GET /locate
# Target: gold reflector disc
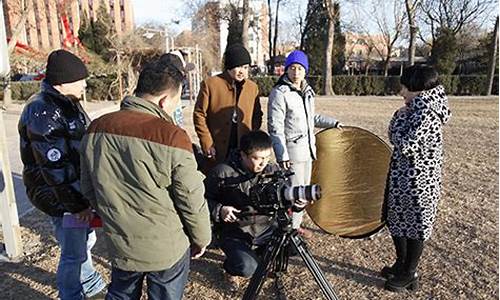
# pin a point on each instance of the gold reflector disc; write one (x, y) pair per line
(351, 167)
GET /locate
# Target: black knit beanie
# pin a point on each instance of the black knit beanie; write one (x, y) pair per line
(236, 55)
(64, 67)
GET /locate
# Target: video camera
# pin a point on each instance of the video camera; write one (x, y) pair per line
(273, 193)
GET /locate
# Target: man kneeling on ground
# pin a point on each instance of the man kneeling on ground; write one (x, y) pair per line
(227, 191)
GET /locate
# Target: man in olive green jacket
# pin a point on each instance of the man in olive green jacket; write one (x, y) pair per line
(139, 173)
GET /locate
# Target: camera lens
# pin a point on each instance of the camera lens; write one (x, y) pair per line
(307, 192)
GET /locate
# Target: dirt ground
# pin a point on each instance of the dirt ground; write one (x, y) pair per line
(459, 262)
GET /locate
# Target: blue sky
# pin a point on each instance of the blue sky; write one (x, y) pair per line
(161, 11)
(167, 11)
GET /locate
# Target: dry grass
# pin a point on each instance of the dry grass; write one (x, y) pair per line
(459, 262)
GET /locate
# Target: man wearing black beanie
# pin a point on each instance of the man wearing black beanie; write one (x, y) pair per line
(50, 128)
(227, 107)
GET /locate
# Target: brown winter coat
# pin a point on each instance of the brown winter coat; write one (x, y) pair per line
(214, 109)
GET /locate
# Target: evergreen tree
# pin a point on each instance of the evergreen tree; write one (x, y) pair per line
(444, 52)
(85, 33)
(235, 26)
(96, 35)
(316, 37)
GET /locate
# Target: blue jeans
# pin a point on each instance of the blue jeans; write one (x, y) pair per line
(162, 285)
(241, 255)
(76, 277)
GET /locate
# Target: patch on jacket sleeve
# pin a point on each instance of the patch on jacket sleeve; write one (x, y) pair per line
(54, 154)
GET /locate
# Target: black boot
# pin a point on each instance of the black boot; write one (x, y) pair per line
(400, 246)
(408, 278)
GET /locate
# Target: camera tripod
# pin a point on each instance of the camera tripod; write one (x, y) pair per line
(276, 256)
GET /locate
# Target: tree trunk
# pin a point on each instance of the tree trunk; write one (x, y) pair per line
(276, 20)
(327, 71)
(246, 23)
(491, 73)
(270, 38)
(386, 65)
(410, 11)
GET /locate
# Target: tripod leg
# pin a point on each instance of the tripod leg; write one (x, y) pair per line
(313, 267)
(260, 274)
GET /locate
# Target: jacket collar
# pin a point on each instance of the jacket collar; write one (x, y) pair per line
(144, 106)
(230, 82)
(284, 80)
(48, 89)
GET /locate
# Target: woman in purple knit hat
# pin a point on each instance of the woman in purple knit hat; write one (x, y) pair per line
(291, 121)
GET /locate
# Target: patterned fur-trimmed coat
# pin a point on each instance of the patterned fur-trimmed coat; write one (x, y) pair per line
(415, 171)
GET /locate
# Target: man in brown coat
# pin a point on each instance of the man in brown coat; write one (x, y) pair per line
(227, 107)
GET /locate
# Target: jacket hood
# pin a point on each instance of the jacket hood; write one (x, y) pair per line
(234, 160)
(434, 99)
(141, 105)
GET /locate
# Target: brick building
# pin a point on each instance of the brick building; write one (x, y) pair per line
(49, 23)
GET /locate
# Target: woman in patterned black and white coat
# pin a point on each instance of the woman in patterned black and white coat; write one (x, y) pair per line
(414, 184)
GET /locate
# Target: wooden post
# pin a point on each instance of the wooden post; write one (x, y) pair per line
(491, 71)
(8, 207)
(119, 62)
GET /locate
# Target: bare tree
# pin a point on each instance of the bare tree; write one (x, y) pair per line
(328, 68)
(270, 31)
(276, 23)
(246, 23)
(303, 22)
(411, 10)
(491, 71)
(206, 17)
(453, 15)
(273, 30)
(389, 18)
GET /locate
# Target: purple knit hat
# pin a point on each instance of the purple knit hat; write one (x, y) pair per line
(297, 57)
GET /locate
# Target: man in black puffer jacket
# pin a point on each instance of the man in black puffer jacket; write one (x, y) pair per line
(51, 127)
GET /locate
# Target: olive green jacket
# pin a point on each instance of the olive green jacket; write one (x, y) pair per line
(139, 173)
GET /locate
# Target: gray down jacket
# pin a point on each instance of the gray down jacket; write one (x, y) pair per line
(291, 120)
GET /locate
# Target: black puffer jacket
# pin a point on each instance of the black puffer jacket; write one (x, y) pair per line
(228, 184)
(51, 127)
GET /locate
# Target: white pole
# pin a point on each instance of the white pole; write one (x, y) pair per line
(8, 207)
(4, 60)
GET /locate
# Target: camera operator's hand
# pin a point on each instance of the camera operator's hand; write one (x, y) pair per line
(227, 214)
(300, 203)
(85, 215)
(286, 164)
(197, 251)
(211, 152)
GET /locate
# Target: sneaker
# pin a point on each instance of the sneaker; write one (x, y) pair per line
(305, 233)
